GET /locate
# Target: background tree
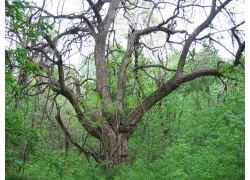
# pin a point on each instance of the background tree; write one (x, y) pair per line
(99, 88)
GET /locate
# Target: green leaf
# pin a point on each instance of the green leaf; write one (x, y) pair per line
(129, 60)
(55, 31)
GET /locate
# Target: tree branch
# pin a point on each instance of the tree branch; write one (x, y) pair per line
(66, 132)
(167, 88)
(196, 32)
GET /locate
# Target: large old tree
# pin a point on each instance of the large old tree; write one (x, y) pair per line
(93, 33)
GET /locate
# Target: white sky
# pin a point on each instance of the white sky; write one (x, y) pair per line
(77, 5)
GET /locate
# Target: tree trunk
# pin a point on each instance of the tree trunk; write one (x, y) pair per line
(111, 133)
(116, 150)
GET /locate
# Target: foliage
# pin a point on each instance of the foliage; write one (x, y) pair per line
(18, 135)
(21, 137)
(207, 143)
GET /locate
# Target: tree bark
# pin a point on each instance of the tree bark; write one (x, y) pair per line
(116, 149)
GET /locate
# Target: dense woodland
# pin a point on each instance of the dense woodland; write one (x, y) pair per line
(119, 90)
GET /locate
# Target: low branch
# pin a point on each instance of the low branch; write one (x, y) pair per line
(66, 132)
(167, 88)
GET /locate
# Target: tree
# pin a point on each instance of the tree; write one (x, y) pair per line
(99, 103)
